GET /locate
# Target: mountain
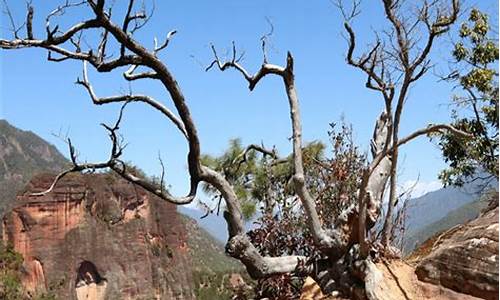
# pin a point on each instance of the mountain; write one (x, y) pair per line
(213, 224)
(435, 205)
(440, 210)
(464, 258)
(97, 234)
(23, 154)
(461, 215)
(212, 268)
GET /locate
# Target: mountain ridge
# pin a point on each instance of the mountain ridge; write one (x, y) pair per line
(24, 155)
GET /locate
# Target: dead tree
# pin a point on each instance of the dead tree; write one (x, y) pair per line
(345, 251)
(396, 61)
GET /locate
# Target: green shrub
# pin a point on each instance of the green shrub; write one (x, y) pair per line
(10, 271)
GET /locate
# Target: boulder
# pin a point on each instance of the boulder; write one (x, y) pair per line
(465, 258)
(391, 279)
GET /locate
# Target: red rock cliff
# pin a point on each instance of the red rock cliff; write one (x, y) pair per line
(98, 237)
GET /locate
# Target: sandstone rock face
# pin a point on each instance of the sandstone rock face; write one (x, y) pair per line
(98, 237)
(22, 154)
(465, 258)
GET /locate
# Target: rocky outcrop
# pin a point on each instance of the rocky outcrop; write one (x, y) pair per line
(459, 264)
(465, 258)
(396, 281)
(22, 154)
(98, 237)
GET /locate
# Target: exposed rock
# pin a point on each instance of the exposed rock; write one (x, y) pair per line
(465, 258)
(22, 154)
(392, 280)
(92, 291)
(399, 281)
(98, 237)
(89, 283)
(312, 291)
(442, 209)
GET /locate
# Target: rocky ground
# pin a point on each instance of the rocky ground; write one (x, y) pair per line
(461, 263)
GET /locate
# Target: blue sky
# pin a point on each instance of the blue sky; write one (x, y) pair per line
(40, 96)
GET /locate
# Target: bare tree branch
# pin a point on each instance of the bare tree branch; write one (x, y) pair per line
(131, 76)
(158, 48)
(141, 63)
(13, 28)
(130, 98)
(350, 14)
(242, 157)
(434, 128)
(387, 89)
(322, 238)
(29, 21)
(264, 70)
(402, 60)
